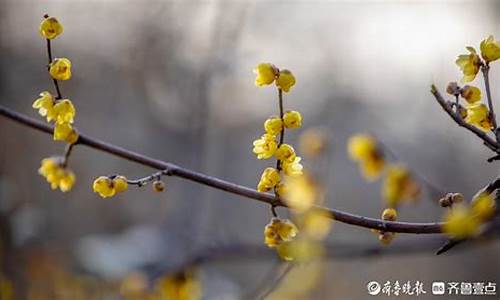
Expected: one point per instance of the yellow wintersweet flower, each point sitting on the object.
(182, 286)
(389, 214)
(103, 185)
(50, 28)
(490, 49)
(313, 142)
(471, 94)
(293, 168)
(45, 104)
(108, 187)
(292, 119)
(285, 80)
(483, 206)
(64, 111)
(399, 185)
(361, 147)
(279, 231)
(120, 183)
(56, 174)
(266, 73)
(460, 222)
(65, 132)
(479, 116)
(281, 189)
(273, 125)
(469, 64)
(60, 69)
(265, 146)
(285, 153)
(386, 237)
(268, 180)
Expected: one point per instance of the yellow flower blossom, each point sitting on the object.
(50, 28)
(469, 64)
(399, 185)
(490, 49)
(273, 125)
(182, 286)
(266, 73)
(460, 222)
(64, 111)
(281, 189)
(471, 94)
(158, 186)
(60, 69)
(292, 119)
(285, 153)
(279, 231)
(313, 142)
(45, 104)
(103, 185)
(268, 180)
(479, 116)
(285, 80)
(56, 174)
(483, 206)
(120, 184)
(265, 146)
(293, 168)
(65, 132)
(361, 147)
(386, 237)
(389, 214)
(108, 187)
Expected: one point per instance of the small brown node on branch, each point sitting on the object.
(451, 198)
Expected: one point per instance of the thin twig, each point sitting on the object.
(175, 170)
(488, 141)
(485, 69)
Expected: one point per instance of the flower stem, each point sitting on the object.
(282, 133)
(49, 55)
(485, 69)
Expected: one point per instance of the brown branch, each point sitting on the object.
(488, 141)
(175, 170)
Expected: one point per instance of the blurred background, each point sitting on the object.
(173, 80)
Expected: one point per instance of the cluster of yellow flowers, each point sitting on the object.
(462, 220)
(474, 112)
(471, 63)
(108, 186)
(56, 174)
(57, 110)
(61, 111)
(268, 144)
(398, 184)
(389, 214)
